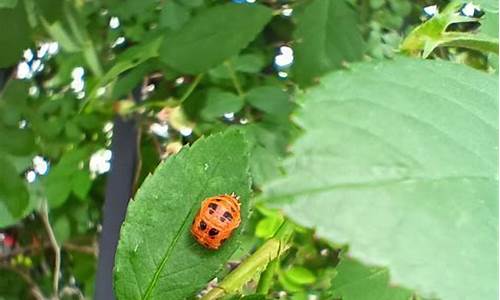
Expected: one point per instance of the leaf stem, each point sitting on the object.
(44, 214)
(234, 78)
(192, 87)
(257, 262)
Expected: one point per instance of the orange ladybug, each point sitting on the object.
(216, 220)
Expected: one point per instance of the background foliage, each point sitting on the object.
(361, 135)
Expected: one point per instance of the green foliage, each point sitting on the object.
(271, 100)
(355, 281)
(219, 102)
(417, 168)
(68, 176)
(327, 36)
(392, 162)
(213, 36)
(158, 258)
(433, 34)
(14, 197)
(12, 42)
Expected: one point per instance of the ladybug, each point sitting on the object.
(217, 218)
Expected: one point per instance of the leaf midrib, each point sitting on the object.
(166, 257)
(367, 184)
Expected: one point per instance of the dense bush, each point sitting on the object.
(361, 137)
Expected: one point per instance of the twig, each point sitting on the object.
(234, 78)
(191, 88)
(92, 250)
(257, 262)
(44, 214)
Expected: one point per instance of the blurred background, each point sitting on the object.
(88, 109)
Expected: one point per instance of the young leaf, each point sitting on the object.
(219, 102)
(157, 256)
(355, 281)
(14, 197)
(270, 99)
(13, 42)
(69, 175)
(213, 36)
(403, 167)
(327, 34)
(434, 33)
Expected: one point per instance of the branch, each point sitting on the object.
(257, 262)
(44, 214)
(191, 88)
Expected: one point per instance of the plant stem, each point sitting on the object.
(257, 262)
(191, 88)
(44, 214)
(234, 78)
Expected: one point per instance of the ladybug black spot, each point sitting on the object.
(213, 232)
(211, 211)
(218, 200)
(222, 219)
(228, 216)
(203, 225)
(212, 206)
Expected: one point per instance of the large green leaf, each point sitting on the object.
(212, 36)
(327, 35)
(399, 159)
(13, 42)
(14, 197)
(157, 257)
(355, 281)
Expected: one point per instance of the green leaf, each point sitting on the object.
(16, 141)
(355, 281)
(489, 24)
(212, 36)
(81, 183)
(267, 227)
(403, 168)
(157, 256)
(13, 42)
(62, 229)
(491, 5)
(270, 99)
(470, 41)
(8, 3)
(173, 15)
(219, 102)
(434, 33)
(327, 35)
(12, 285)
(14, 197)
(300, 275)
(68, 175)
